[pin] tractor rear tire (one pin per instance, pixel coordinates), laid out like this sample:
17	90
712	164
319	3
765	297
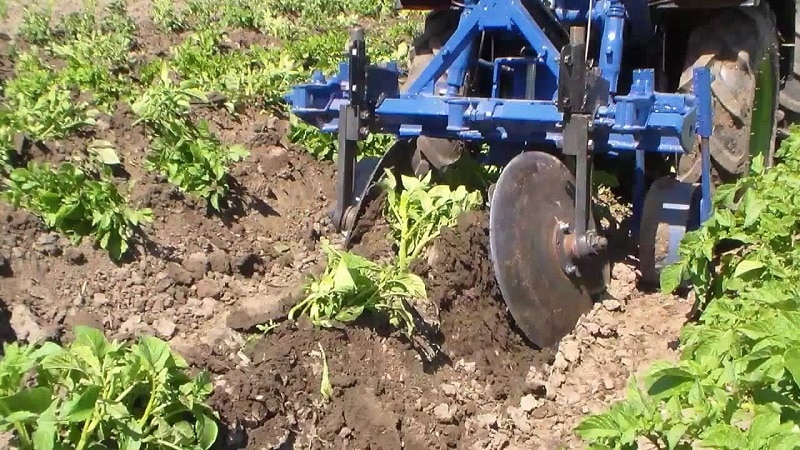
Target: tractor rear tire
433	153
740	46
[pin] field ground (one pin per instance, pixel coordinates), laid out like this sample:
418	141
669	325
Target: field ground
205	282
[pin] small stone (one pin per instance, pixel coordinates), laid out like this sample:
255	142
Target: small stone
24	324
520	419
608	383
528	403
164	327
573	397
571	351
208	288
469	367
163	284
74	256
48	244
345	432
206	309
133	325
121	274
443	413
136	279
486	420
197	264
612	305
99	299
449	390
179	274
219	262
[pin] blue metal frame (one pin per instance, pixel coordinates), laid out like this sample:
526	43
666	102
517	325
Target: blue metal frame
641	121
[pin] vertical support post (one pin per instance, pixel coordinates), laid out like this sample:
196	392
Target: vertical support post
638	192
458	71
611	44
351	125
702	89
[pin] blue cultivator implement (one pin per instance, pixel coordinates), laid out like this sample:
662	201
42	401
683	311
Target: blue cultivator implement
555	90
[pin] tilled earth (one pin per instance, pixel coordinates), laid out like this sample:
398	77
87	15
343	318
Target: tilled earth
204	283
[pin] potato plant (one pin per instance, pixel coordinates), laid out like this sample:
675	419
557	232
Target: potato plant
74	203
93	393
737	384
188	154
352	285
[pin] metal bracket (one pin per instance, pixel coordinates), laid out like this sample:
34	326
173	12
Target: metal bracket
351	126
578	108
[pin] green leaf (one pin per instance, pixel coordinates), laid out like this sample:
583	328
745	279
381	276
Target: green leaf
671	277
791	359
675	434
669	382
34	400
82	406
723	436
598	427
342	278
154	352
206	429
92	338
747	266
44	437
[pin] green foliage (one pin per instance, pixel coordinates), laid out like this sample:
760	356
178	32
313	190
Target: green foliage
40	104
97	61
168	17
99	394
196	162
324	146
256	74
737	384
352	285
35	26
418	211
188	154
71	202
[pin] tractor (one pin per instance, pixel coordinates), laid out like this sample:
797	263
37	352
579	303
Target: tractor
684	94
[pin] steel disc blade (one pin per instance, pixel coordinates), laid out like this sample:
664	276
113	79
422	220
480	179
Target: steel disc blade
534	193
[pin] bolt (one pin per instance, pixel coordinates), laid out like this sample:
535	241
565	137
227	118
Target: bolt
570	269
598	243
563	226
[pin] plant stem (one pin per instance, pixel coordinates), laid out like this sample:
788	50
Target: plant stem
88	428
150	403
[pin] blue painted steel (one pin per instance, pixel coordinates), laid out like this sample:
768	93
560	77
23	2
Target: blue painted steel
611	46
702	87
641	121
639	192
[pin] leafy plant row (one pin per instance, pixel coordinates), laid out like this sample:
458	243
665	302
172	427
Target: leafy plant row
737	384
351	285
94	393
188	154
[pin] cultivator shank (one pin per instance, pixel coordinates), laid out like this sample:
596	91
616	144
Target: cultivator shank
546	112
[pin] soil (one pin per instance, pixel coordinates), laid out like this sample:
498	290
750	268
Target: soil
204	282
